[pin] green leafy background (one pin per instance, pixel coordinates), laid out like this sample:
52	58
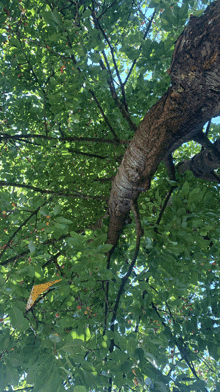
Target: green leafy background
66	69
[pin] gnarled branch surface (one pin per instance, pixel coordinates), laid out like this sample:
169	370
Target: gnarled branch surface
189	103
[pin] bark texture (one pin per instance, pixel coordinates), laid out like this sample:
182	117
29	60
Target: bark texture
192	99
203	164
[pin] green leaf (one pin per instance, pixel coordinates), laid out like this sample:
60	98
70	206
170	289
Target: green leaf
57	209
51	17
17	319
198	13
73	347
79	388
185	188
31	246
95	57
162	387
74	242
61	219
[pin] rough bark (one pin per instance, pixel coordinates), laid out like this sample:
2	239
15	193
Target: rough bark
192	99
203	164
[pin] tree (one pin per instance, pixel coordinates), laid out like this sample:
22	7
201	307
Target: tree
132	302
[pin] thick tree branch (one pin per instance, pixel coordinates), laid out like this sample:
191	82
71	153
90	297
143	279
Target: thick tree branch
187	105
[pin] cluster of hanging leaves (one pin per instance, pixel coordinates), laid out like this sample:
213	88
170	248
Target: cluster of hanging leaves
71	71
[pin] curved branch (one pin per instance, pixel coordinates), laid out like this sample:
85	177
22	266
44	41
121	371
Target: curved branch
187	105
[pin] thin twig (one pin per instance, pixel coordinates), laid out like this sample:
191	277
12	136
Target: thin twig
87	154
180	347
56	193
22	254
140	47
96	21
104	116
66	139
22	225
130	269
164	206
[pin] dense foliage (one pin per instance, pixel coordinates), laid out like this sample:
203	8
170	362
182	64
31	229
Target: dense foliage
76	79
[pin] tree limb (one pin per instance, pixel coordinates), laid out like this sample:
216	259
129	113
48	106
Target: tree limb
4	136
74	194
187	105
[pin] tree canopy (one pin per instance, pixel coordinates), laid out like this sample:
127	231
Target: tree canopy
77	78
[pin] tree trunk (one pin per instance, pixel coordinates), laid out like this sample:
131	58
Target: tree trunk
192	99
